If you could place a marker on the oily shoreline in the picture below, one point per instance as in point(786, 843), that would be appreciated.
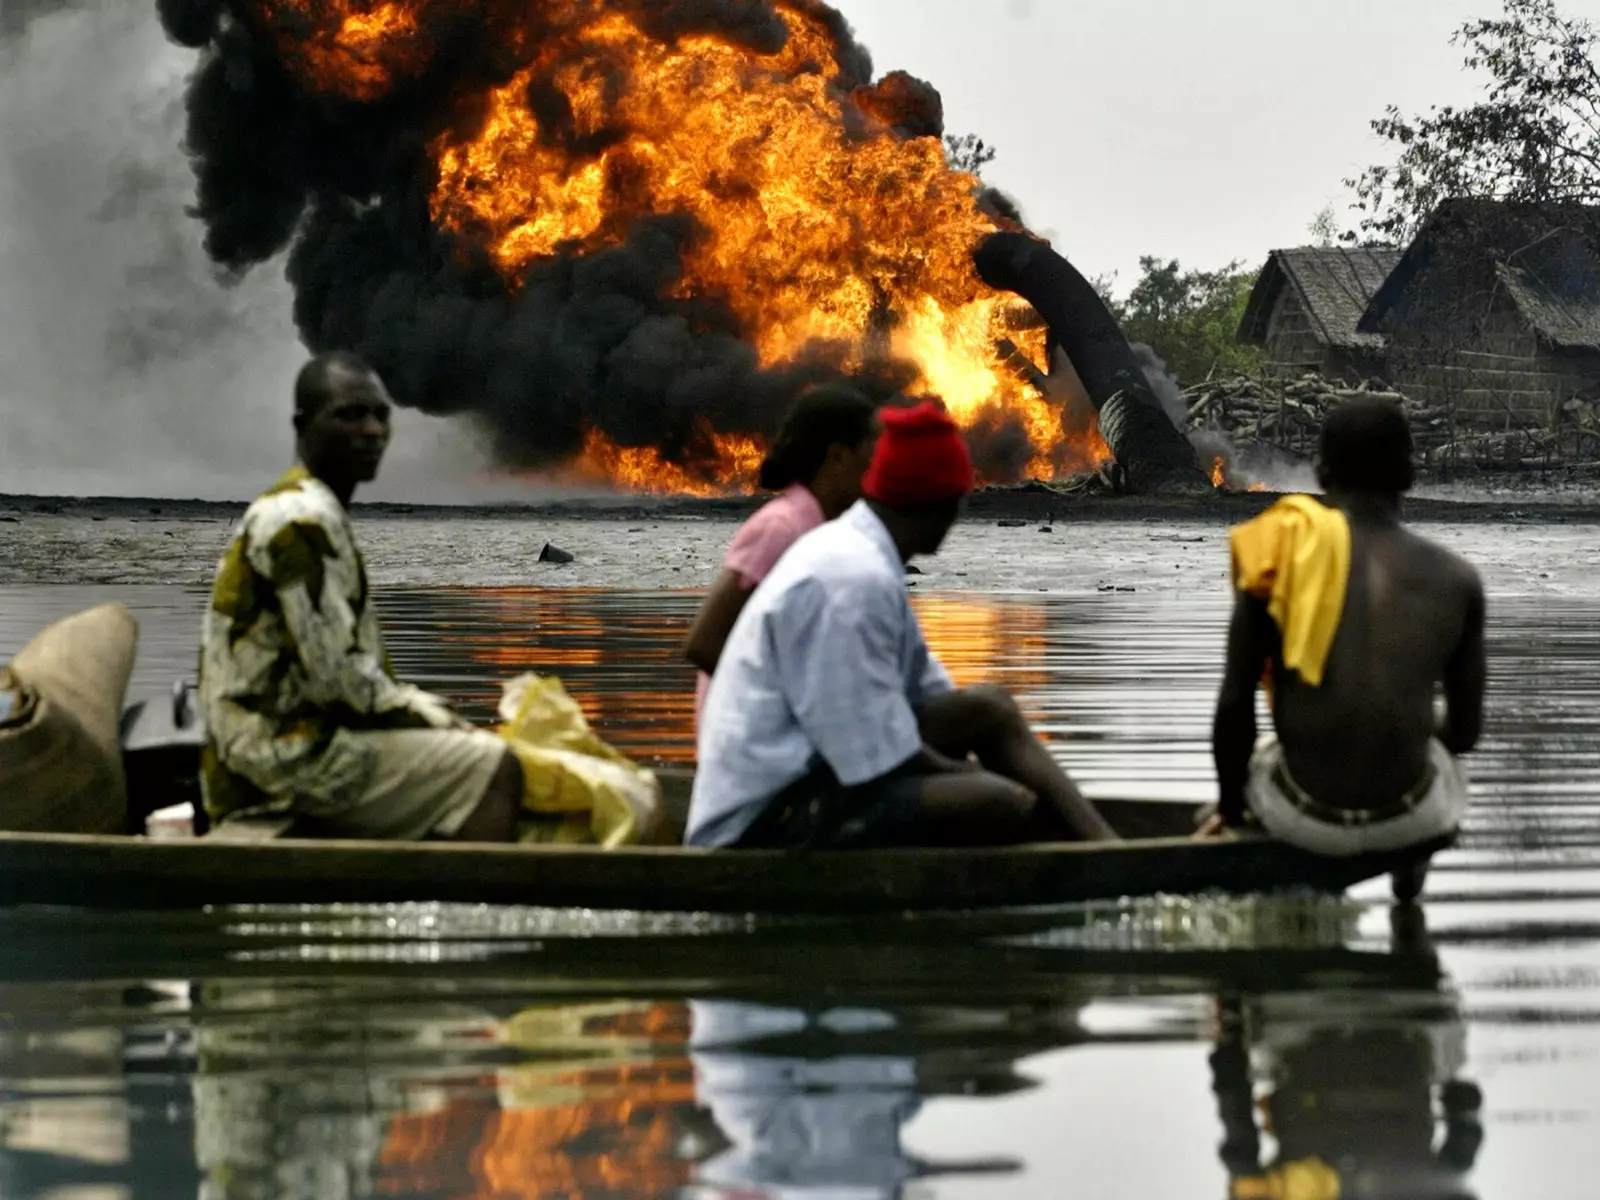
point(1026, 502)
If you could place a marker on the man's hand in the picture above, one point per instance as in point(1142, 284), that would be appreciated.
point(435, 711)
point(950, 766)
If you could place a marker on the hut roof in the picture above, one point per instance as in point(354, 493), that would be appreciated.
point(1545, 257)
point(1334, 284)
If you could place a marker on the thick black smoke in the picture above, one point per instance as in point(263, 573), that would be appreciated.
point(587, 339)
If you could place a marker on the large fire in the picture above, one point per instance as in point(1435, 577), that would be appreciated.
point(823, 229)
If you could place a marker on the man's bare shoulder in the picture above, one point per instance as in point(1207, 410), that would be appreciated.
point(1452, 571)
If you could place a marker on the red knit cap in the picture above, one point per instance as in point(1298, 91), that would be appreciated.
point(920, 458)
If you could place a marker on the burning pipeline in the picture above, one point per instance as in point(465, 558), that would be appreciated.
point(617, 233)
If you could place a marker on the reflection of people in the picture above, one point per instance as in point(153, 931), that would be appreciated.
point(816, 1102)
point(816, 463)
point(795, 1121)
point(1359, 620)
point(304, 716)
point(596, 1100)
point(1352, 1100)
point(829, 722)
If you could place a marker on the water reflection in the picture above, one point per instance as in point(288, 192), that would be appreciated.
point(1360, 1097)
point(1337, 1067)
point(816, 1102)
point(418, 1050)
point(618, 652)
point(298, 1094)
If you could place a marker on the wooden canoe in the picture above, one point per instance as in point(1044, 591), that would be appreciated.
point(133, 872)
point(1160, 856)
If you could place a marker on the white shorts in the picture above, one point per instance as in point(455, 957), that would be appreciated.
point(1431, 810)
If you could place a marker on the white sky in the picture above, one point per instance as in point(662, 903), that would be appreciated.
point(1207, 130)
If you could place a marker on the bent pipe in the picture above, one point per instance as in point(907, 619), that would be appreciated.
point(1154, 455)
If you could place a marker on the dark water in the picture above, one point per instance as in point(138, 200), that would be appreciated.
point(1164, 1048)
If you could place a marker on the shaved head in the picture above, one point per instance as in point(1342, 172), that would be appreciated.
point(315, 384)
point(341, 420)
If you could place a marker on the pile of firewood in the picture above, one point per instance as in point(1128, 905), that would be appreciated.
point(1287, 415)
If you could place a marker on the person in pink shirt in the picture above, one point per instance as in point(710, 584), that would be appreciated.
point(816, 463)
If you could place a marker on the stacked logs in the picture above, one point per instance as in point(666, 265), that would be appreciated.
point(1286, 416)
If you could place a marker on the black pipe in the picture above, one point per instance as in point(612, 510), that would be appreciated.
point(1153, 454)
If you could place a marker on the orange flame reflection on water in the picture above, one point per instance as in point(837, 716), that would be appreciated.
point(651, 717)
point(626, 1078)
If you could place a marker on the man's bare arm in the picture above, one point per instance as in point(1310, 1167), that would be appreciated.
point(1233, 732)
point(715, 620)
point(1465, 680)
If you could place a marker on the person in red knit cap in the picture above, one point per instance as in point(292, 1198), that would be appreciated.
point(829, 722)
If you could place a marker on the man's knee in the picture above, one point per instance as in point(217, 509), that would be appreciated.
point(1012, 807)
point(991, 711)
point(970, 720)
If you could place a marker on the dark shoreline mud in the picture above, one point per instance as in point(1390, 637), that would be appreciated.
point(1028, 502)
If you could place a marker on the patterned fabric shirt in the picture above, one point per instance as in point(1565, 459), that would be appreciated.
point(292, 660)
point(826, 663)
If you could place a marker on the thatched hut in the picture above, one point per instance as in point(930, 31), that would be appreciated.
point(1494, 311)
point(1305, 307)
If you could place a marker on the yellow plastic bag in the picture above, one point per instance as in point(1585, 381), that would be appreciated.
point(577, 789)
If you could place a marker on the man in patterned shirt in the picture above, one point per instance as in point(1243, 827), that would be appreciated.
point(304, 717)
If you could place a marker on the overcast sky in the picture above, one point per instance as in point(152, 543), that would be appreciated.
point(1203, 131)
point(1206, 131)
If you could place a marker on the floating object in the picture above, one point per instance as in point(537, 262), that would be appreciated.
point(1011, 523)
point(553, 553)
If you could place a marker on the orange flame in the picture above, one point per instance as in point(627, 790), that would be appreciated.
point(828, 234)
point(1221, 477)
point(729, 468)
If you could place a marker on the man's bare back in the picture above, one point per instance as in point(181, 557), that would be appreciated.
point(1412, 620)
point(1360, 764)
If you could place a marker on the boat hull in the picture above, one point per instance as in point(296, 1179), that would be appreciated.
point(128, 872)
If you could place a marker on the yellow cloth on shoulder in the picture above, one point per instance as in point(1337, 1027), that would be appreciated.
point(1296, 557)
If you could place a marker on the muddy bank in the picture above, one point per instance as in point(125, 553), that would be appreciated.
point(1485, 501)
point(1082, 549)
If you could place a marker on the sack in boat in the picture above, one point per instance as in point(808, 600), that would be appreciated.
point(576, 789)
point(60, 759)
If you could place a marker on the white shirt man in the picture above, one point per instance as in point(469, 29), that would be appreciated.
point(829, 723)
point(827, 662)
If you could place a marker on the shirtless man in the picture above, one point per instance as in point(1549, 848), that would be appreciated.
point(305, 719)
point(1360, 764)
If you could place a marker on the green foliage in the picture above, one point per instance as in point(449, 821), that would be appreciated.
point(968, 152)
point(1324, 228)
point(1189, 318)
point(1535, 137)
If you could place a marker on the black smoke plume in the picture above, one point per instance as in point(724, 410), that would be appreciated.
point(586, 338)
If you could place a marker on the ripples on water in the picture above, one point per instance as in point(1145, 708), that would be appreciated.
point(1163, 1048)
